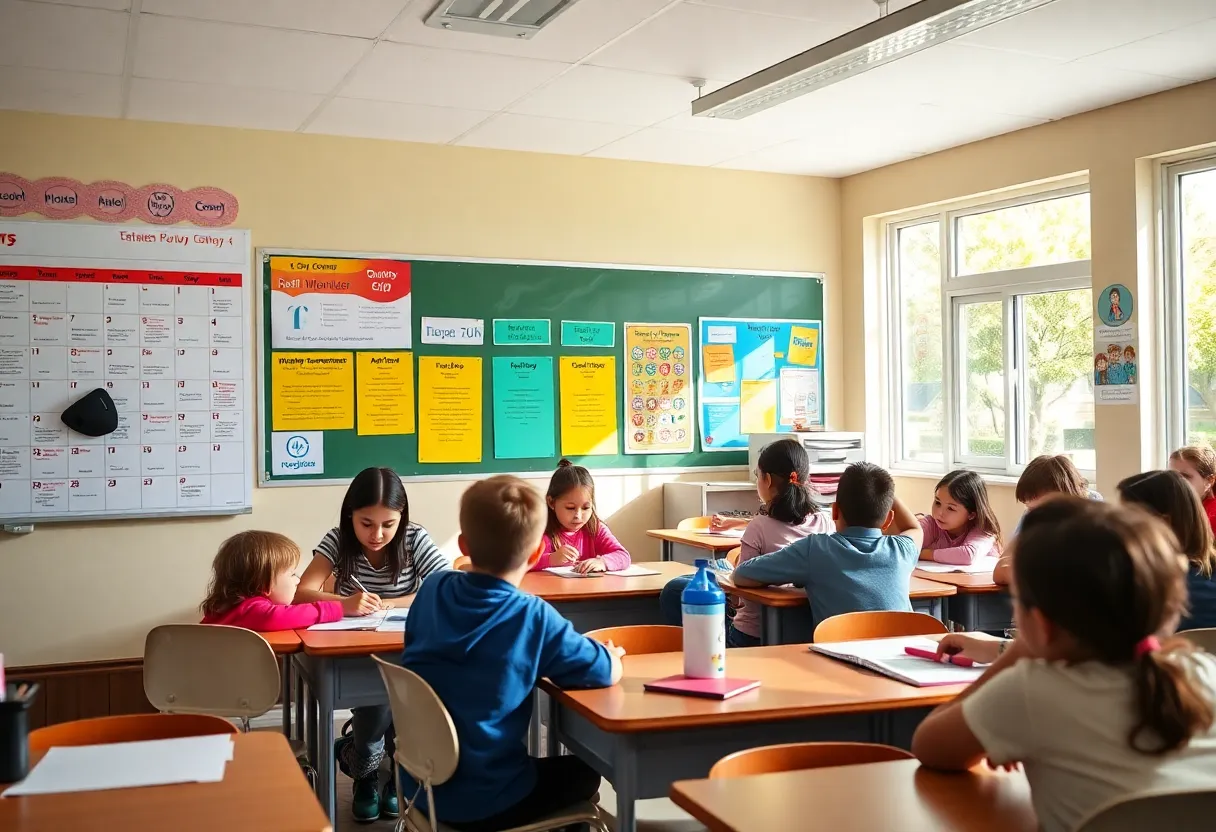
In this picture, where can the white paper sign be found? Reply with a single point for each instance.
(464, 331)
(293, 453)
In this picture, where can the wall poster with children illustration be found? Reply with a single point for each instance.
(1115, 348)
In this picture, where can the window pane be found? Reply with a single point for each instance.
(981, 360)
(920, 325)
(1058, 337)
(1034, 234)
(1198, 250)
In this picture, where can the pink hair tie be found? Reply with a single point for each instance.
(1147, 645)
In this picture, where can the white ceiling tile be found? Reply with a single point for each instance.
(359, 18)
(219, 105)
(710, 42)
(678, 147)
(857, 12)
(573, 35)
(508, 131)
(174, 49)
(1070, 29)
(113, 5)
(929, 127)
(53, 36)
(1187, 53)
(614, 96)
(811, 157)
(68, 93)
(399, 122)
(1075, 88)
(446, 78)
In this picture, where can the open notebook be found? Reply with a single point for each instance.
(630, 571)
(887, 656)
(385, 621)
(979, 567)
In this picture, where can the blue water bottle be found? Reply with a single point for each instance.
(704, 608)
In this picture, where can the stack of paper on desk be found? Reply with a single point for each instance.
(979, 567)
(631, 571)
(384, 621)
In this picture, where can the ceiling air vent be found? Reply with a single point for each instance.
(504, 18)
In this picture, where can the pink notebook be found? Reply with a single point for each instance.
(704, 688)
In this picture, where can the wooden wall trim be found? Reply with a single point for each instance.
(79, 690)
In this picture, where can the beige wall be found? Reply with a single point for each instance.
(77, 592)
(1114, 146)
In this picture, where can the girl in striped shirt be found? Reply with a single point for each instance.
(375, 553)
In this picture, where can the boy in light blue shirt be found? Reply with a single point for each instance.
(866, 565)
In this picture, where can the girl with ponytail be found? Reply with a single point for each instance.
(1094, 698)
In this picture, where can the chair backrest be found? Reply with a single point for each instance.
(427, 746)
(210, 669)
(128, 728)
(799, 756)
(462, 563)
(852, 626)
(694, 524)
(1203, 639)
(641, 639)
(1177, 811)
(732, 557)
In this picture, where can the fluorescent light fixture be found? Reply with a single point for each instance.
(889, 38)
(504, 18)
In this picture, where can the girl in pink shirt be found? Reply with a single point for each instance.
(575, 535)
(253, 582)
(963, 526)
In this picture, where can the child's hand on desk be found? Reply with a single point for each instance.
(565, 555)
(926, 554)
(361, 603)
(979, 647)
(591, 565)
(619, 652)
(722, 523)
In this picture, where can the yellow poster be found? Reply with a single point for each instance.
(718, 362)
(588, 405)
(312, 391)
(385, 394)
(658, 401)
(804, 346)
(758, 406)
(449, 409)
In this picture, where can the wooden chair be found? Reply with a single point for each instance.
(428, 749)
(1203, 639)
(695, 524)
(799, 756)
(128, 728)
(462, 563)
(853, 626)
(1177, 811)
(641, 639)
(732, 557)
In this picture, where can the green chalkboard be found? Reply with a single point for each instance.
(571, 292)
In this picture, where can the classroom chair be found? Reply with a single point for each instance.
(1177, 811)
(641, 639)
(695, 524)
(800, 756)
(462, 563)
(732, 557)
(128, 728)
(1204, 639)
(853, 626)
(428, 748)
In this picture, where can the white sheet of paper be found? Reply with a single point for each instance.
(127, 765)
(979, 567)
(394, 621)
(631, 571)
(354, 622)
(735, 533)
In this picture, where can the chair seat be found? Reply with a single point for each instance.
(416, 821)
(655, 815)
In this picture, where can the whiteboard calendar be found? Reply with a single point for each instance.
(158, 317)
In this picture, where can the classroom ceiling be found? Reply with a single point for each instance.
(608, 78)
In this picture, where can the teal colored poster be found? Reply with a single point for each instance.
(509, 332)
(588, 334)
(524, 414)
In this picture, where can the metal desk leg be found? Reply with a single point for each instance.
(301, 714)
(964, 610)
(626, 788)
(285, 694)
(770, 626)
(324, 763)
(309, 717)
(550, 709)
(534, 748)
(666, 550)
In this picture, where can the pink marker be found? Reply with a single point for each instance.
(946, 658)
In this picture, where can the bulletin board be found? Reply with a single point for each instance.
(355, 327)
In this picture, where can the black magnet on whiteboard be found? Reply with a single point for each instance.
(94, 414)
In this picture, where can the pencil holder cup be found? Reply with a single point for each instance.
(15, 731)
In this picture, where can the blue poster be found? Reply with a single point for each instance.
(758, 376)
(524, 414)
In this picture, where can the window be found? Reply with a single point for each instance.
(1190, 246)
(994, 351)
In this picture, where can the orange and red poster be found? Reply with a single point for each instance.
(339, 303)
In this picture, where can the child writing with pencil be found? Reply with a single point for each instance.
(377, 555)
(574, 534)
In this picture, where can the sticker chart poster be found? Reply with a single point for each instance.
(758, 376)
(588, 405)
(339, 303)
(384, 400)
(659, 397)
(449, 409)
(524, 412)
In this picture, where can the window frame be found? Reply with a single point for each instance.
(1007, 286)
(1172, 314)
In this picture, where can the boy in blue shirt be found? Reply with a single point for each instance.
(482, 644)
(866, 565)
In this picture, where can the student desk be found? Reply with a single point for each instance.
(334, 663)
(711, 545)
(862, 798)
(643, 742)
(263, 788)
(979, 605)
(284, 644)
(785, 615)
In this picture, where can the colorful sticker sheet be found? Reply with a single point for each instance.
(659, 404)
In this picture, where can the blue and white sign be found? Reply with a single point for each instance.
(297, 453)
